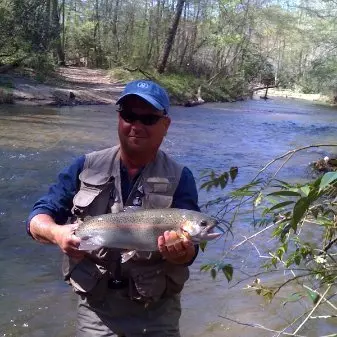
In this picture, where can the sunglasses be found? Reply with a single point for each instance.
(131, 117)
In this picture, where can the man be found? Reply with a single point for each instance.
(139, 297)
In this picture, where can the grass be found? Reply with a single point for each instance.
(181, 87)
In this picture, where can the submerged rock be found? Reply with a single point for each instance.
(325, 164)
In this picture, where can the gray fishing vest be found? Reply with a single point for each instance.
(149, 278)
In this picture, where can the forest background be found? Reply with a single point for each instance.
(226, 48)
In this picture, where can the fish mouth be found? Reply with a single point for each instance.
(208, 234)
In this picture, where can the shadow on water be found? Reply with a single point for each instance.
(36, 143)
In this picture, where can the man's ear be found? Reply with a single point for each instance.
(167, 122)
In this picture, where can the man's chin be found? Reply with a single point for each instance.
(138, 144)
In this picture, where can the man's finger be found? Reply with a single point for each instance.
(187, 243)
(170, 237)
(75, 240)
(179, 246)
(161, 244)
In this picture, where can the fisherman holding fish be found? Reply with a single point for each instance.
(128, 221)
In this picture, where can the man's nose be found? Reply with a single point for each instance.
(137, 125)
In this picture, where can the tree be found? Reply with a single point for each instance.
(170, 36)
(55, 28)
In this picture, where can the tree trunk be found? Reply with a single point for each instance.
(194, 34)
(63, 27)
(56, 27)
(170, 36)
(114, 31)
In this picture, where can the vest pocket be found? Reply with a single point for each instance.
(93, 185)
(155, 200)
(176, 276)
(158, 192)
(86, 278)
(148, 282)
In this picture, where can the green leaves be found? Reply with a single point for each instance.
(215, 181)
(228, 271)
(281, 205)
(300, 208)
(215, 268)
(313, 296)
(293, 211)
(285, 194)
(327, 179)
(233, 172)
(203, 245)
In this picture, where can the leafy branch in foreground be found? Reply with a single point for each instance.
(302, 221)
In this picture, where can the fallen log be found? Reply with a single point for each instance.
(197, 101)
(146, 74)
(263, 88)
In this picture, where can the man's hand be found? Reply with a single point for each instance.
(44, 229)
(66, 239)
(174, 249)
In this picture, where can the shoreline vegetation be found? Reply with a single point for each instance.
(69, 86)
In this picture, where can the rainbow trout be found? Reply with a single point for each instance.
(139, 230)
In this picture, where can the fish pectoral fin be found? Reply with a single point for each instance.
(126, 256)
(137, 255)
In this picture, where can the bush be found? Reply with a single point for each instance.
(43, 65)
(124, 75)
(184, 87)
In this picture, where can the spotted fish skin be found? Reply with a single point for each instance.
(139, 230)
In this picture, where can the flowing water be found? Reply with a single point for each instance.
(37, 142)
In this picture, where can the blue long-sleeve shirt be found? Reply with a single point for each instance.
(58, 202)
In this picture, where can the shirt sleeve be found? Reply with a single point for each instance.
(59, 200)
(186, 194)
(186, 197)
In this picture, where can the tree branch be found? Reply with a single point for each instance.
(259, 326)
(313, 309)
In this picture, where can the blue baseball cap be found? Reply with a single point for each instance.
(150, 91)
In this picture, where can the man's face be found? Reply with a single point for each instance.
(136, 137)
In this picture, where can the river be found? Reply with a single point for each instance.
(37, 142)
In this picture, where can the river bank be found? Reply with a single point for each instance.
(291, 94)
(67, 87)
(70, 86)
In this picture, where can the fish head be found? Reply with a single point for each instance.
(200, 229)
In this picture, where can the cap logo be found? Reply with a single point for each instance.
(142, 85)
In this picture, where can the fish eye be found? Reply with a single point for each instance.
(203, 223)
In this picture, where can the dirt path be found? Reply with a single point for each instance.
(70, 86)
